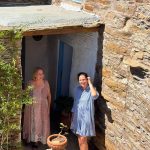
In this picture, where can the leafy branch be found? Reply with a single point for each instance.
(12, 96)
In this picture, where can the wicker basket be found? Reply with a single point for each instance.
(57, 145)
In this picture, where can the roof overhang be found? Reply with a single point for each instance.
(47, 19)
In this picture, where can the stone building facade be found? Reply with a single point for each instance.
(123, 111)
(123, 114)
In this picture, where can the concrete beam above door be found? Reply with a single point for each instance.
(66, 30)
(48, 19)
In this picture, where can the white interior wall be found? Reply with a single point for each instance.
(85, 47)
(33, 51)
(42, 53)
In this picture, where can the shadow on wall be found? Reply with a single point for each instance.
(101, 108)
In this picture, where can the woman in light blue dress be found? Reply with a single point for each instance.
(83, 110)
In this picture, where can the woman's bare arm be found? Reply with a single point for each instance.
(93, 90)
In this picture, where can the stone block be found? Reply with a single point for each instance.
(106, 72)
(142, 12)
(135, 63)
(116, 101)
(126, 8)
(119, 34)
(104, 2)
(115, 20)
(139, 1)
(88, 7)
(134, 27)
(109, 144)
(112, 59)
(115, 114)
(142, 1)
(115, 47)
(139, 55)
(122, 72)
(115, 85)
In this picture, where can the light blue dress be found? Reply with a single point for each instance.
(83, 112)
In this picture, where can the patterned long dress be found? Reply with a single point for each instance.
(36, 125)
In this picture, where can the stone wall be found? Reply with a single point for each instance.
(123, 115)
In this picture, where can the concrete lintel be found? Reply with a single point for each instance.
(45, 17)
(65, 30)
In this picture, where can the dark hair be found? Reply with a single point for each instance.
(37, 69)
(82, 73)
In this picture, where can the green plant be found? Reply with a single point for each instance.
(64, 129)
(63, 132)
(12, 96)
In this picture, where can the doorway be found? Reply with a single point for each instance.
(62, 57)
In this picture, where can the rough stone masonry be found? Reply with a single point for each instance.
(123, 113)
(125, 73)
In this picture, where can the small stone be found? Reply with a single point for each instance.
(88, 7)
(139, 55)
